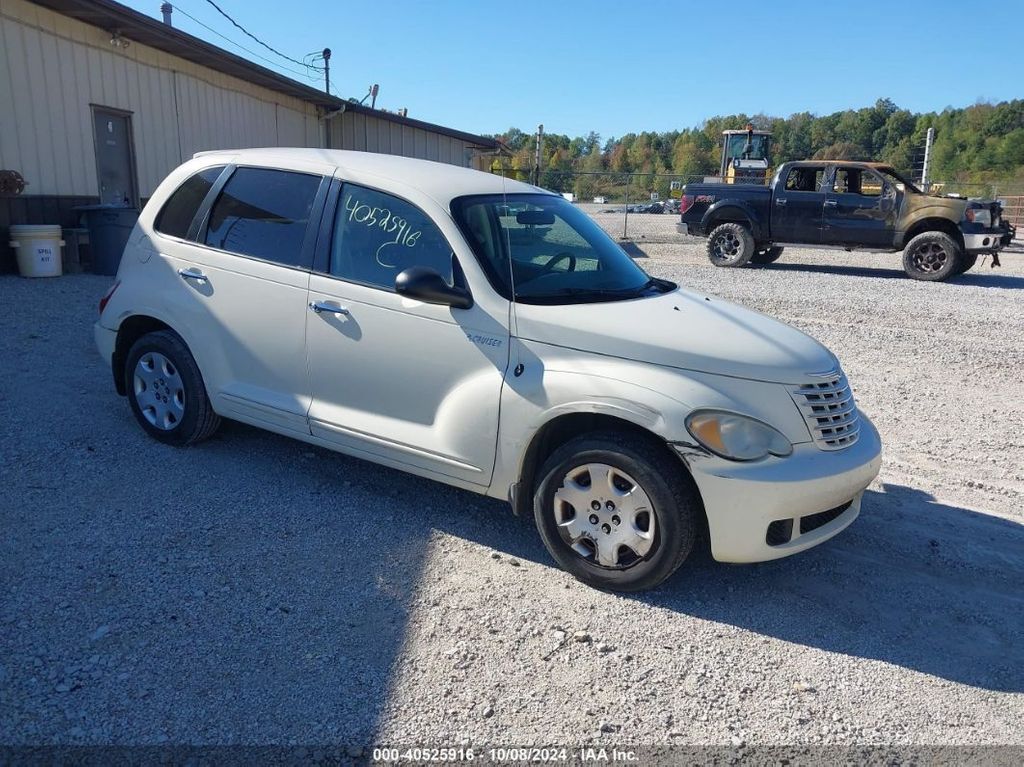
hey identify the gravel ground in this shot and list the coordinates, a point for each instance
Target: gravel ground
(257, 590)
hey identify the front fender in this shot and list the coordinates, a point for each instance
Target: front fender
(733, 210)
(557, 381)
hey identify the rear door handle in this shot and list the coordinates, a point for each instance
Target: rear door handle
(193, 274)
(322, 306)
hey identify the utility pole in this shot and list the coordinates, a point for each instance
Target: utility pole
(537, 155)
(926, 180)
(326, 53)
(327, 70)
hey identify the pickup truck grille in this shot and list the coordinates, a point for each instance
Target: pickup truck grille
(828, 407)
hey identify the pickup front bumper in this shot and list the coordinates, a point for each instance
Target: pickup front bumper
(988, 240)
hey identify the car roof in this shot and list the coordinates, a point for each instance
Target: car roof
(442, 181)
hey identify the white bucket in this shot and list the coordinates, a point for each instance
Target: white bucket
(38, 249)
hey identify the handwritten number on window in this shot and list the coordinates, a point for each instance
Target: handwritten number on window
(384, 220)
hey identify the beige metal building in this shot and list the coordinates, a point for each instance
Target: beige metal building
(99, 102)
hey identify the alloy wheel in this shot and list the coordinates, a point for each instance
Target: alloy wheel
(929, 257)
(726, 246)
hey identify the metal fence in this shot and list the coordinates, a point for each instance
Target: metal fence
(640, 207)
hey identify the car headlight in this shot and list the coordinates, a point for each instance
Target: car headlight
(737, 437)
(981, 216)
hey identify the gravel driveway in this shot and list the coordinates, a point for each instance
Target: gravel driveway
(257, 590)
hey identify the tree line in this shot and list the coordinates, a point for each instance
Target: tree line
(979, 144)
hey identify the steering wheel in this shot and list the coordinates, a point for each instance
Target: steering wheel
(550, 265)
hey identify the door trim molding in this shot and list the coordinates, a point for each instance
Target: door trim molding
(397, 446)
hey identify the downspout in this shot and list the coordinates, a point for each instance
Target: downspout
(326, 118)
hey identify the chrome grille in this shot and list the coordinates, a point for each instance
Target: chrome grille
(828, 407)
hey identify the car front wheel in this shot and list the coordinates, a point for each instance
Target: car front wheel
(616, 511)
(166, 390)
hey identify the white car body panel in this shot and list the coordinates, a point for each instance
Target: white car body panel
(682, 329)
(459, 395)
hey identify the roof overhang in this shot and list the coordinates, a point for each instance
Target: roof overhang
(144, 30)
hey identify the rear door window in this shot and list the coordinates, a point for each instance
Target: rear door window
(175, 217)
(805, 179)
(263, 213)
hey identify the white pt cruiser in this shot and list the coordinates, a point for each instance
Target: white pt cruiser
(487, 334)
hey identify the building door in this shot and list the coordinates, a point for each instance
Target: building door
(115, 161)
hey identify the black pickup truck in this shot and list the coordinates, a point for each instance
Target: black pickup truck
(853, 205)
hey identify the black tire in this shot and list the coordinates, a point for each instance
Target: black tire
(730, 245)
(675, 514)
(195, 420)
(766, 255)
(932, 257)
(967, 262)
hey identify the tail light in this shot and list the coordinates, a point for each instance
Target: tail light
(108, 295)
(685, 203)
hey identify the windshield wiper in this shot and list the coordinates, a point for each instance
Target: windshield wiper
(600, 294)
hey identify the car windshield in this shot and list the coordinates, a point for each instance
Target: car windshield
(538, 248)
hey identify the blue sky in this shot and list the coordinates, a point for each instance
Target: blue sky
(617, 67)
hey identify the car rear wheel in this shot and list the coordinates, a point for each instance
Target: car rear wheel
(730, 245)
(932, 256)
(616, 511)
(766, 255)
(166, 390)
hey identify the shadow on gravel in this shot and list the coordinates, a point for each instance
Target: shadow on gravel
(913, 582)
(981, 277)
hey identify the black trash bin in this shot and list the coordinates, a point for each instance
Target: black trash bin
(109, 228)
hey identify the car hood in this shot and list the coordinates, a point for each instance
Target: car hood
(681, 329)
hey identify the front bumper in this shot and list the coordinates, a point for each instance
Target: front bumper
(989, 240)
(743, 499)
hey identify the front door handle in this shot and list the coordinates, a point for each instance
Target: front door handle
(780, 201)
(321, 306)
(831, 203)
(193, 274)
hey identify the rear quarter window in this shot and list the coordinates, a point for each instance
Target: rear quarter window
(175, 217)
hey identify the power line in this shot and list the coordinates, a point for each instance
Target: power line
(250, 34)
(307, 67)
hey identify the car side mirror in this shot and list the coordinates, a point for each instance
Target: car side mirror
(427, 285)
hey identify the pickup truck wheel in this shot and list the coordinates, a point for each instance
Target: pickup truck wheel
(730, 245)
(615, 511)
(767, 255)
(967, 262)
(932, 256)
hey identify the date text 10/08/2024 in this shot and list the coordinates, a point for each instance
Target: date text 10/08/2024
(498, 755)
